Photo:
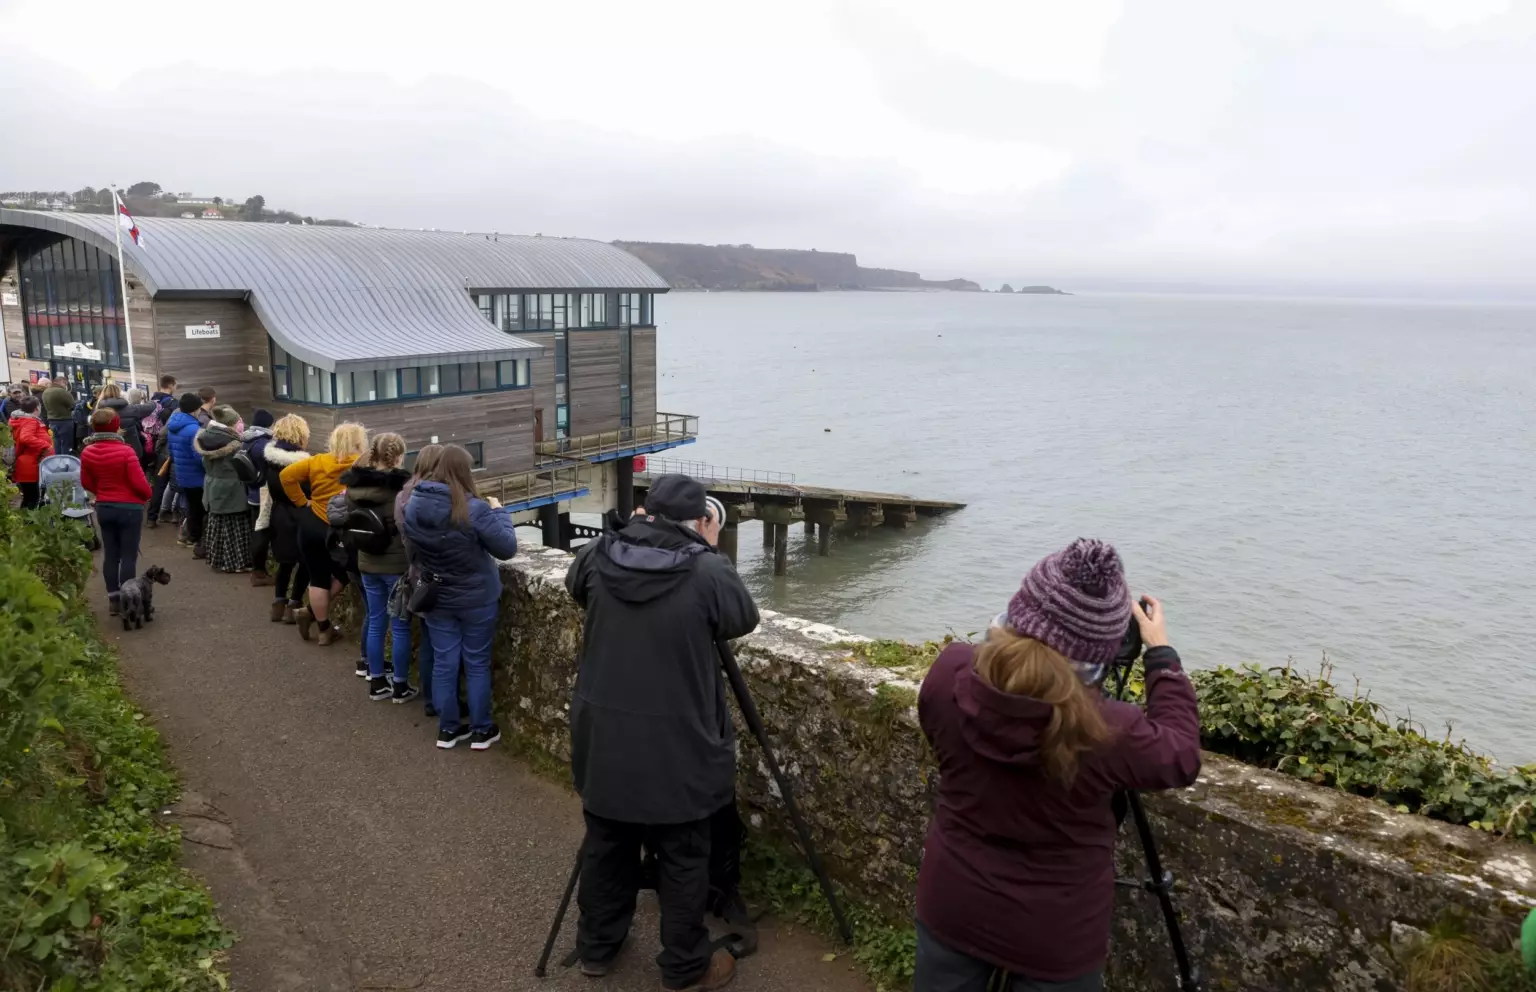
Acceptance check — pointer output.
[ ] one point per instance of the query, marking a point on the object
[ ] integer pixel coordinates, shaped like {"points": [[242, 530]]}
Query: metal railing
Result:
{"points": [[543, 483], [715, 473], [670, 428]]}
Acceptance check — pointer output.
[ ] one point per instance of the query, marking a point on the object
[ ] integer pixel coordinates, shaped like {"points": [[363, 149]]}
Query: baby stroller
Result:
{"points": [[59, 478]]}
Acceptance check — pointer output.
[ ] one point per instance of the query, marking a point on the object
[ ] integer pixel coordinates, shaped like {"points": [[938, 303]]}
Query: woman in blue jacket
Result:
{"points": [[187, 466], [454, 539]]}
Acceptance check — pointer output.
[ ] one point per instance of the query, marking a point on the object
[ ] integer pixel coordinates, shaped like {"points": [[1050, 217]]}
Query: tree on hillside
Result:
{"points": [[84, 195], [143, 189], [254, 207], [218, 201]]}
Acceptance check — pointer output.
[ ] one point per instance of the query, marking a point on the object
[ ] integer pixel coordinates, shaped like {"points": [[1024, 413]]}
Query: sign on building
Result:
{"points": [[9, 300], [77, 349], [197, 332]]}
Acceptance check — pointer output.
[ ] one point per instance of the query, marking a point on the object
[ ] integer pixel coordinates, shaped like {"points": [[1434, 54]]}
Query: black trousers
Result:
{"points": [[292, 580], [157, 484], [941, 968], [610, 880], [120, 529], [31, 495], [195, 514]]}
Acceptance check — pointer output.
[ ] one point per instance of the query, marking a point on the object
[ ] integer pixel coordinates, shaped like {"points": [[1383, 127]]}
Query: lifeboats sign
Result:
{"points": [[200, 331]]}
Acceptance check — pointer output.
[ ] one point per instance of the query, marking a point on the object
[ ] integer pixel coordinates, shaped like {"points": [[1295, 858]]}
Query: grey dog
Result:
{"points": [[136, 598]]}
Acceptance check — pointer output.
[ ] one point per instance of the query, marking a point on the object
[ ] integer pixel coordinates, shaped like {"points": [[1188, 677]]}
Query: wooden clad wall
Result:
{"points": [[543, 375], [594, 381], [642, 383], [502, 421], [234, 363]]}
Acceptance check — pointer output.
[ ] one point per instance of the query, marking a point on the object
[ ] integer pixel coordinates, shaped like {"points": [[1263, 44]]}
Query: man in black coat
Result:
{"points": [[652, 744]]}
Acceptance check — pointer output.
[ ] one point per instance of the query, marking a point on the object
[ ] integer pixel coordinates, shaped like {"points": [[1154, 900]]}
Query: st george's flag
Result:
{"points": [[126, 220]]}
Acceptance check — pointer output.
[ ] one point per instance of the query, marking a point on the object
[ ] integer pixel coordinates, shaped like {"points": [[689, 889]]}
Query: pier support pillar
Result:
{"points": [[824, 539], [567, 532], [899, 517], [549, 520], [776, 519], [810, 527], [624, 470], [767, 535], [861, 517], [780, 549], [730, 533]]}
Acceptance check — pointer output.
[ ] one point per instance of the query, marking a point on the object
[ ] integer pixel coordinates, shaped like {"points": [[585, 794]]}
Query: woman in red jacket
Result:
{"points": [[33, 443], [111, 473], [1017, 883]]}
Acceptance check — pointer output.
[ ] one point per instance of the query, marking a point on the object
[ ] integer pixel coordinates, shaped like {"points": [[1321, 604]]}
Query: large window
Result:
{"points": [[69, 295], [297, 380], [513, 312], [562, 385], [626, 375]]}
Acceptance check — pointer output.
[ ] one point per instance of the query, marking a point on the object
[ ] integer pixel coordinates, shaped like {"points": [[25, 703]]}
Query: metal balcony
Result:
{"points": [[670, 431], [541, 487]]}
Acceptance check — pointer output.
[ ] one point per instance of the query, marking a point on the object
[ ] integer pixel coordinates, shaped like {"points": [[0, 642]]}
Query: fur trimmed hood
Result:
{"points": [[217, 441], [282, 457]]}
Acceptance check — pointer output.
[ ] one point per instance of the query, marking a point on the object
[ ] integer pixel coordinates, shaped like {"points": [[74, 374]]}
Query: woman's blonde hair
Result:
{"points": [[294, 429], [348, 439], [110, 391], [385, 451], [1023, 666]]}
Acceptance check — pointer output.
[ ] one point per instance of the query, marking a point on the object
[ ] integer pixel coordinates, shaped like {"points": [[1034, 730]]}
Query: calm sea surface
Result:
{"points": [[1294, 477]]}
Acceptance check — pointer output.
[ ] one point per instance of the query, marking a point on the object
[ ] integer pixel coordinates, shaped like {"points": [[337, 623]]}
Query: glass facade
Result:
{"points": [[69, 295], [562, 386], [513, 312], [294, 379], [626, 374]]}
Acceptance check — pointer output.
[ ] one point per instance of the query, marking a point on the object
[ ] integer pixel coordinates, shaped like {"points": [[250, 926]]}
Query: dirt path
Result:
{"points": [[346, 850]]}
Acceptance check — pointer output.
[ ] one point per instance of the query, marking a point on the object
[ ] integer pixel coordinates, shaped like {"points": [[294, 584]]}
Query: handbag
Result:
{"points": [[425, 589]]}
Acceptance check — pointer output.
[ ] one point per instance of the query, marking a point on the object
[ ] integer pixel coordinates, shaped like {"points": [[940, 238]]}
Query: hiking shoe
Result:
{"points": [[329, 636], [305, 620], [448, 738], [404, 693], [483, 739], [378, 689], [279, 607], [429, 709], [182, 542], [199, 552], [151, 524], [722, 968], [591, 969], [362, 669]]}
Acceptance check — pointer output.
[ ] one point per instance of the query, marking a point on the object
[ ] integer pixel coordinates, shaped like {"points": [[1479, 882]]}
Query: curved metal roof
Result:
{"points": [[357, 298]]}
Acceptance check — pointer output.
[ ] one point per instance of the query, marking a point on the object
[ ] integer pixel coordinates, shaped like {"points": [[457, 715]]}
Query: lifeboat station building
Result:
{"points": [[536, 354]]}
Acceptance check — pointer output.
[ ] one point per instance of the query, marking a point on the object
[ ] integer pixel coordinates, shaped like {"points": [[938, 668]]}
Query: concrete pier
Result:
{"points": [[780, 549]]}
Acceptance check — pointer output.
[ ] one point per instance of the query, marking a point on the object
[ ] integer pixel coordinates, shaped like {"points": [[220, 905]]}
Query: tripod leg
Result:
{"points": [[1161, 884], [542, 968], [755, 723]]}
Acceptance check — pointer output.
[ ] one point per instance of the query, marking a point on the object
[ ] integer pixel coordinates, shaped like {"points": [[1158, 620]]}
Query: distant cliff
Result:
{"points": [[743, 267]]}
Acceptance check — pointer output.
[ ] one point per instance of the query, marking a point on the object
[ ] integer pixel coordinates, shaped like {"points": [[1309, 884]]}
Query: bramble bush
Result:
{"points": [[91, 895]]}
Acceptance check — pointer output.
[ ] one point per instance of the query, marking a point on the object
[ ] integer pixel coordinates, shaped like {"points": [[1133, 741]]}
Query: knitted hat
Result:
{"points": [[226, 415], [261, 418], [106, 421], [675, 497], [1075, 601]]}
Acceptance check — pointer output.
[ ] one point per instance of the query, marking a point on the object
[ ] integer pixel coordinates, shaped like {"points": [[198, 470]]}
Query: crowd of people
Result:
{"points": [[419, 545], [1015, 891]]}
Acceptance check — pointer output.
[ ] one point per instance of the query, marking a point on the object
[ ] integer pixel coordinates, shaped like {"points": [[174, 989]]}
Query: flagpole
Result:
{"points": [[122, 272]]}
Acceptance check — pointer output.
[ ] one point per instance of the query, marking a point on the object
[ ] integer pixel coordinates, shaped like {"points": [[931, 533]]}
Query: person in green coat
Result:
{"points": [[59, 412], [227, 535]]}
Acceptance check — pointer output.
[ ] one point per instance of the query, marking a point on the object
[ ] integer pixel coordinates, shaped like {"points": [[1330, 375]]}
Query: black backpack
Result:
{"points": [[368, 531], [245, 469]]}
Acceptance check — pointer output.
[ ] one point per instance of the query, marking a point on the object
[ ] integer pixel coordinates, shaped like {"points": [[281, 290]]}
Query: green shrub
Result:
{"points": [[90, 888]]}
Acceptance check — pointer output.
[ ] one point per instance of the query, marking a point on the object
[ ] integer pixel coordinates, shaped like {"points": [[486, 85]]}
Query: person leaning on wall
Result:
{"points": [[1016, 888]]}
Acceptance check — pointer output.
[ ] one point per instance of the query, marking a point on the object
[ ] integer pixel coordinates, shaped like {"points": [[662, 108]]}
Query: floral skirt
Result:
{"points": [[227, 541]]}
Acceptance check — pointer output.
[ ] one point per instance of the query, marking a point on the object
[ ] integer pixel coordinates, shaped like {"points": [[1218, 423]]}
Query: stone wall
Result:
{"points": [[1281, 885]]}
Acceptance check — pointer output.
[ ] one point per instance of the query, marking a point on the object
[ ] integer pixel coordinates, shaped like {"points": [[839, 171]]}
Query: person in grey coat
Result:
{"points": [[227, 536]]}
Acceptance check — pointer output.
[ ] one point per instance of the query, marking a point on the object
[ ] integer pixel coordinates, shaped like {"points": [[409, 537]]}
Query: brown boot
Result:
{"points": [[722, 968], [328, 636], [290, 615], [260, 578], [305, 620], [278, 609]]}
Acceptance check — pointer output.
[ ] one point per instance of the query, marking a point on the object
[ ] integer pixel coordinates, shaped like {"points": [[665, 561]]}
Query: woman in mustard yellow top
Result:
{"points": [[311, 484]]}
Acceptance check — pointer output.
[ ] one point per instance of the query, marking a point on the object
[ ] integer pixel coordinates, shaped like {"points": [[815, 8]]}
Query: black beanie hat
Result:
{"points": [[675, 497], [189, 403], [261, 418]]}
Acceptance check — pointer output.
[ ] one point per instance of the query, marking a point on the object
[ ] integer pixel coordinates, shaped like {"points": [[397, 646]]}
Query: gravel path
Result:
{"points": [[345, 849]]}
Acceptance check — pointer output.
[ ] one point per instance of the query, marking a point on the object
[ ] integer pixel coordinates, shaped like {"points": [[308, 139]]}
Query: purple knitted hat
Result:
{"points": [[1075, 601]]}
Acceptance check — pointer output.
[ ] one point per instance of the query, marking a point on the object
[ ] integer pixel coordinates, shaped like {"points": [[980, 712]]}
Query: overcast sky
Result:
{"points": [[1311, 144]]}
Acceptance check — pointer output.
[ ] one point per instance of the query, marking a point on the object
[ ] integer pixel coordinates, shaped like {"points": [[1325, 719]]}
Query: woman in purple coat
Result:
{"points": [[1017, 882]]}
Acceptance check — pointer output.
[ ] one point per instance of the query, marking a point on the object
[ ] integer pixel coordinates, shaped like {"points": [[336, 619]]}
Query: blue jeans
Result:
{"points": [[63, 436], [424, 660], [462, 637], [376, 592]]}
